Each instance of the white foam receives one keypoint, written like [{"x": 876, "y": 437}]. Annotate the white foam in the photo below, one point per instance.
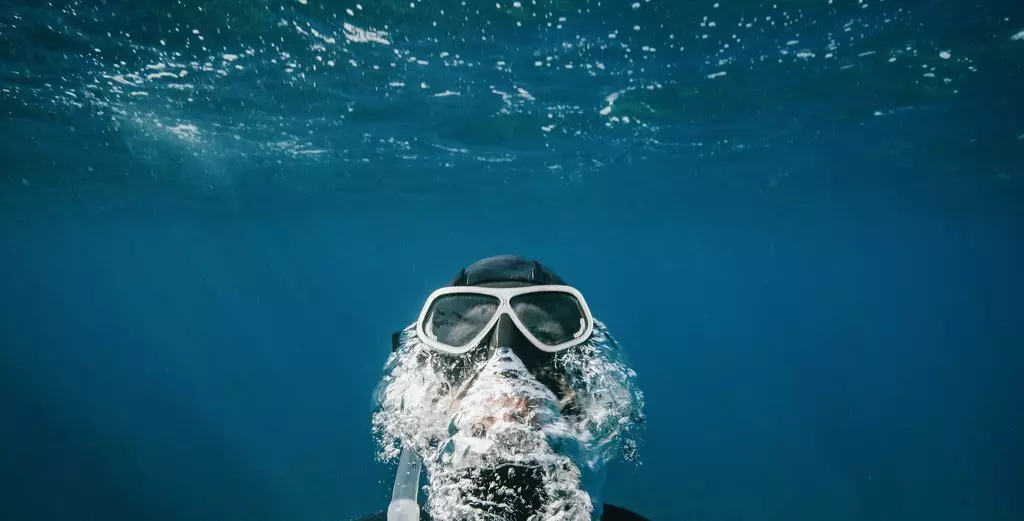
[
  {"x": 360, "y": 35},
  {"x": 185, "y": 131},
  {"x": 158, "y": 75},
  {"x": 121, "y": 79},
  {"x": 450, "y": 149}
]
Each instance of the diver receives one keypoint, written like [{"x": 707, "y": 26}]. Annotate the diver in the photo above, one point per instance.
[{"x": 511, "y": 397}]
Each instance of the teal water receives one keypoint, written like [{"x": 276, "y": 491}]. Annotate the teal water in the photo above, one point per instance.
[{"x": 802, "y": 220}]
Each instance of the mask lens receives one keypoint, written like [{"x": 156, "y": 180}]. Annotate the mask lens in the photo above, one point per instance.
[
  {"x": 553, "y": 317},
  {"x": 455, "y": 319}
]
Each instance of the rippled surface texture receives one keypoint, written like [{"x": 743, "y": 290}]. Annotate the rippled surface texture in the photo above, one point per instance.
[{"x": 397, "y": 96}]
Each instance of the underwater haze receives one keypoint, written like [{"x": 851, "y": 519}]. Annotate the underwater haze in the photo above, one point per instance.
[{"x": 803, "y": 220}]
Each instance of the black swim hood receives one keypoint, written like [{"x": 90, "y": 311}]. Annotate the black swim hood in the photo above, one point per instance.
[{"x": 506, "y": 269}]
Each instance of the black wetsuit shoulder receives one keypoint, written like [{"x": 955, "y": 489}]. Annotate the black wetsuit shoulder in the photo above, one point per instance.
[
  {"x": 611, "y": 513},
  {"x": 614, "y": 513}
]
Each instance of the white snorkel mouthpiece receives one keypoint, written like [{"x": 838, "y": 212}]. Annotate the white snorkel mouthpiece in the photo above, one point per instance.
[{"x": 403, "y": 506}]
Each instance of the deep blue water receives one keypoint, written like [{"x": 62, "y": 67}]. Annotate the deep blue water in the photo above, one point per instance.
[{"x": 812, "y": 260}]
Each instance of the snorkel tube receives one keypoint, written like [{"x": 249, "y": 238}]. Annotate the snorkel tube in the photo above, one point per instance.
[{"x": 403, "y": 506}]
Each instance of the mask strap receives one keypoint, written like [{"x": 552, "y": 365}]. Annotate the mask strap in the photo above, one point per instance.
[{"x": 403, "y": 505}]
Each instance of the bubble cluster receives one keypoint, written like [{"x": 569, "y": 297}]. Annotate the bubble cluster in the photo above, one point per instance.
[{"x": 471, "y": 416}]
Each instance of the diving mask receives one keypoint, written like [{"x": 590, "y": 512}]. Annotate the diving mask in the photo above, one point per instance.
[{"x": 553, "y": 318}]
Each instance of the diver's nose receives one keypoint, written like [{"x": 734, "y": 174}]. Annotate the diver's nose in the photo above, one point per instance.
[{"x": 507, "y": 335}]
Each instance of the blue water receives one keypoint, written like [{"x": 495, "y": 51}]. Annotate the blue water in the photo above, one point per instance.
[{"x": 213, "y": 214}]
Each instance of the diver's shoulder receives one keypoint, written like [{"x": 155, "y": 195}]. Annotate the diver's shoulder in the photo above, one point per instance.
[{"x": 614, "y": 513}]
